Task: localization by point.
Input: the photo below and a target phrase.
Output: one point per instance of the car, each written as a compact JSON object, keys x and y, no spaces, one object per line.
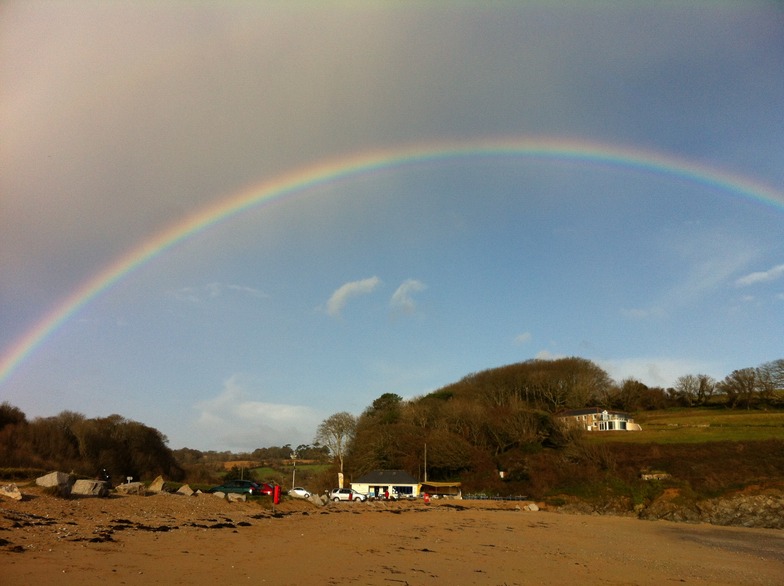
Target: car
{"x":299,"y":492}
{"x":346,"y":494}
{"x":268,"y":489}
{"x":239,"y":486}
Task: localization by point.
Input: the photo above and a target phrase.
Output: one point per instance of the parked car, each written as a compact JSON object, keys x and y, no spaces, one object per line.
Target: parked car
{"x":346,"y":494}
{"x":239,"y":486}
{"x":268,"y":488}
{"x":299,"y":492}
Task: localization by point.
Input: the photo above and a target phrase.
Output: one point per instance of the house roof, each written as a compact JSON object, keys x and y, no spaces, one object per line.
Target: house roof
{"x":394,"y":477}
{"x":588,"y":411}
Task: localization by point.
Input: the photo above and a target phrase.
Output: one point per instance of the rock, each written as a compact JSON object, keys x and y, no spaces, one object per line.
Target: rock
{"x":318,"y":499}
{"x":157,"y":485}
{"x":55,"y":479}
{"x":11,"y":491}
{"x":219,"y":494}
{"x":234,"y":497}
{"x":59,"y":480}
{"x":90,"y":488}
{"x":131,"y":488}
{"x":186,"y":490}
{"x":531,"y":507}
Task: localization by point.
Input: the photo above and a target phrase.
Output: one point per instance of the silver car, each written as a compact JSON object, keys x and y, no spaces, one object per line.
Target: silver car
{"x":299,"y":492}
{"x":346,"y":494}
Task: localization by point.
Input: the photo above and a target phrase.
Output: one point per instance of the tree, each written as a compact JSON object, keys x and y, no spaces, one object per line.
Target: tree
{"x":770,"y":378}
{"x":740,"y":387}
{"x":336,"y":432}
{"x":386,"y":409}
{"x":695,"y":389}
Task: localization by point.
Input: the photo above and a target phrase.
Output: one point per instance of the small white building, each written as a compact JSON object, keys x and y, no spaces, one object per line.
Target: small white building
{"x":394,"y":483}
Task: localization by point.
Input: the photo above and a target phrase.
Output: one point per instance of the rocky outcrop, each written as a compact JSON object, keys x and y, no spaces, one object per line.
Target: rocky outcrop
{"x":762,"y":509}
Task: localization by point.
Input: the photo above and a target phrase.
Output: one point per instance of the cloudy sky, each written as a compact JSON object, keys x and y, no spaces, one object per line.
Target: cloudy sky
{"x":642,"y":227}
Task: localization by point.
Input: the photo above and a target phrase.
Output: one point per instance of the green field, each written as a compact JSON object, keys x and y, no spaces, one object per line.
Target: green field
{"x":684,"y":426}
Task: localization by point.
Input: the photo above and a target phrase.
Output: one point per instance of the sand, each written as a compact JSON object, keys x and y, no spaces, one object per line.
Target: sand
{"x":174,"y":539}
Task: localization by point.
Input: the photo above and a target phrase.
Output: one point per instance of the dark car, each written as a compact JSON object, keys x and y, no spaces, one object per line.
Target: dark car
{"x":239,"y":486}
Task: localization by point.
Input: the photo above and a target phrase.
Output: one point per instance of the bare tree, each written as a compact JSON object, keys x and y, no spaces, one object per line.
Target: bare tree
{"x":336,"y":432}
{"x":740,"y":386}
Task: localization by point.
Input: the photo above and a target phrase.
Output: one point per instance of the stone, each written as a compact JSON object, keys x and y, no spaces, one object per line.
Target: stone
{"x":531,"y":507}
{"x":132,"y":488}
{"x":318,"y":499}
{"x":234,"y":497}
{"x":55,"y":479}
{"x":186,"y":490}
{"x":219,"y":494}
{"x":11,"y":491}
{"x":157,"y":485}
{"x":84,"y":487}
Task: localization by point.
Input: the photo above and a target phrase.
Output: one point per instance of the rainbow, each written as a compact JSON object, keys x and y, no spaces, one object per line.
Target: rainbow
{"x":344,"y":168}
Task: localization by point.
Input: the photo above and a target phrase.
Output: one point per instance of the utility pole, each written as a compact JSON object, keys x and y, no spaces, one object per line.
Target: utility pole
{"x":294,"y":473}
{"x":425,"y":462}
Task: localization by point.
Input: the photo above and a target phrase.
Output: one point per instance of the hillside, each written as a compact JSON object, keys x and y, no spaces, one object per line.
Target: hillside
{"x":495,"y":432}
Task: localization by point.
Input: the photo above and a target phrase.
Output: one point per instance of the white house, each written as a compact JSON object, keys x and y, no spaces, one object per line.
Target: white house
{"x":596,"y":419}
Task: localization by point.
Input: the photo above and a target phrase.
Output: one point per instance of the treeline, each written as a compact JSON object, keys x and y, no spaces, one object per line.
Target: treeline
{"x":71,"y":442}
{"x":494,"y":420}
{"x":272,"y":455}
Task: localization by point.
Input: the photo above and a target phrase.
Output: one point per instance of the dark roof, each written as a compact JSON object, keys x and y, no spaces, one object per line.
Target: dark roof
{"x":387,"y":477}
{"x":588,"y":411}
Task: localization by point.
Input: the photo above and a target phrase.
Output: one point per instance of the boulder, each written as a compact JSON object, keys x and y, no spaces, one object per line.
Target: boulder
{"x":90,"y":488}
{"x":157,"y":485}
{"x":219,"y":494}
{"x":59,"y":480}
{"x":186,"y":490}
{"x":131,"y":488}
{"x":531,"y":507}
{"x":319,"y":499}
{"x":55,"y":479}
{"x":11,"y":491}
{"x":234,"y":497}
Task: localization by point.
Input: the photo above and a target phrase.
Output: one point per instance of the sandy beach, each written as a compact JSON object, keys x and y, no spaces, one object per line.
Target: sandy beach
{"x":174,"y":539}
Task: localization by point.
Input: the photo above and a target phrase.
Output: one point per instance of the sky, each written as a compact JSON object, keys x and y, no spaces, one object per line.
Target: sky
{"x":229,"y":221}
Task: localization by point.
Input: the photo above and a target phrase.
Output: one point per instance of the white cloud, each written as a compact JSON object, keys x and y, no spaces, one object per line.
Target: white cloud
{"x":638,"y":313}
{"x":401,"y":299}
{"x":341,"y":296}
{"x":761,"y":276}
{"x":232,"y":420}
{"x":213,"y":291}
{"x":655,"y":371}
{"x":547,"y":355}
{"x":523,"y":338}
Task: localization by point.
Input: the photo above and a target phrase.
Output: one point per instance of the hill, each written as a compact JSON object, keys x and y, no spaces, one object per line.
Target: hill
{"x":496,"y":432}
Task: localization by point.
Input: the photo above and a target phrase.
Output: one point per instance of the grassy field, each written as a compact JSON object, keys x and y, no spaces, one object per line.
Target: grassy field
{"x":688,"y":426}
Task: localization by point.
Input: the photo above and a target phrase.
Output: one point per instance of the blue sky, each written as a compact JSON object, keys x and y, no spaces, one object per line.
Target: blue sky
{"x":120,"y":120}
